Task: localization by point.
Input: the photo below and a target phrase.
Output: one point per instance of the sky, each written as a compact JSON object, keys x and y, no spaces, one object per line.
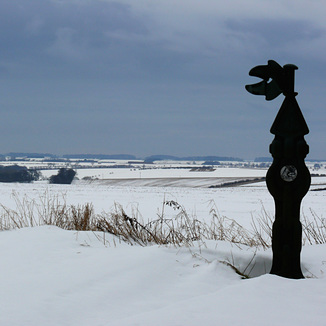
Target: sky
{"x":155,"y":77}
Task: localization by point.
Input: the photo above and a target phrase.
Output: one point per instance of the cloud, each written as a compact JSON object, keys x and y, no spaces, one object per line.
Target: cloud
{"x":39,"y":28}
{"x":277,"y":34}
{"x":165,"y":72}
{"x":127,"y":39}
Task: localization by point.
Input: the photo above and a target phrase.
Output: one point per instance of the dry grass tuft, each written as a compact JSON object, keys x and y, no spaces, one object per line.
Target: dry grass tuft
{"x":181,"y":230}
{"x":313,"y":229}
{"x":47,"y":210}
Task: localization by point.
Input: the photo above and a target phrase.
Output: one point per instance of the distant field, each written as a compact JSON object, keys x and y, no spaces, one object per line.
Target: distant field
{"x":143,"y":191}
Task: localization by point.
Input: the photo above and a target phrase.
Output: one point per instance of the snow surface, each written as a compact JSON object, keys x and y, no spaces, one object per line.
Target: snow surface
{"x":56,"y":277}
{"x":51,"y":276}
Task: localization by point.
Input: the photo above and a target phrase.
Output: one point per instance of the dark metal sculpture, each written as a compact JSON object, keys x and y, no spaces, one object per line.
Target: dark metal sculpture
{"x":288,"y":178}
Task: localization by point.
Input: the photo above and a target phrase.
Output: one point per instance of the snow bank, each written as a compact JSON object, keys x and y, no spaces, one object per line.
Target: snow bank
{"x":56,"y":277}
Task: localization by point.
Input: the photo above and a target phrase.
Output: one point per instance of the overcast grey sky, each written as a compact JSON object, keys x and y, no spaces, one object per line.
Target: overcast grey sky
{"x":155,"y":77}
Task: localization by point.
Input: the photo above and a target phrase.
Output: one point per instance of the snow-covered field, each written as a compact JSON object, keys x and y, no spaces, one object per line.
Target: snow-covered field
{"x":51,"y":276}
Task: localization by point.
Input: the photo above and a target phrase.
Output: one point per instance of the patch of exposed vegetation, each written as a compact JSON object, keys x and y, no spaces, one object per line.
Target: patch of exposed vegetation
{"x":238,"y":183}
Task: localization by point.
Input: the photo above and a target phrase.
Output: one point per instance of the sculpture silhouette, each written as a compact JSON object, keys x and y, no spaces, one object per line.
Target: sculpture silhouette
{"x":288,"y":178}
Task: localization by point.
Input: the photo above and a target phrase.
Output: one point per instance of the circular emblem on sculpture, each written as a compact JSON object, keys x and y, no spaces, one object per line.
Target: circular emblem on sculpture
{"x":289,"y":173}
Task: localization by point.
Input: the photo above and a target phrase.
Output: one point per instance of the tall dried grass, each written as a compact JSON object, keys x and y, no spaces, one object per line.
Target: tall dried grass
{"x":314,"y":228}
{"x":180,"y":230}
{"x":46,"y":210}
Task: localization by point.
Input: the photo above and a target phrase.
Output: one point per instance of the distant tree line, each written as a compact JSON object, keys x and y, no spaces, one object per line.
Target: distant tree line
{"x":151,"y":159}
{"x":16,"y":173}
{"x":29,"y":155}
{"x":264,"y":159}
{"x":100,"y":156}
